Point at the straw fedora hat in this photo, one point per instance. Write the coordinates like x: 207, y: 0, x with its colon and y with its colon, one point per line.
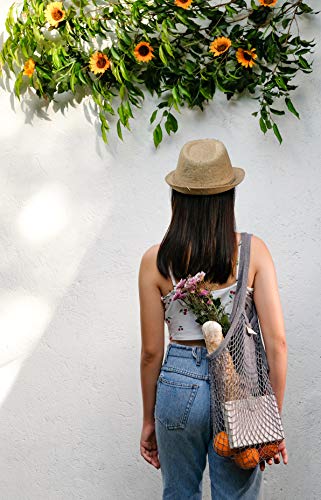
x: 204, y: 167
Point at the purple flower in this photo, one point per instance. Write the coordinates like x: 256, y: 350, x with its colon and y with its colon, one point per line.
x: 204, y: 292
x: 181, y: 283
x: 199, y: 276
x: 190, y: 283
x: 179, y: 295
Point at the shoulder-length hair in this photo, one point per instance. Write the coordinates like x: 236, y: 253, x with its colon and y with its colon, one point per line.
x: 200, y: 237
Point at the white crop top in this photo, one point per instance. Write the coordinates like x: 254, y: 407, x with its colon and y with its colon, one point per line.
x: 181, y: 322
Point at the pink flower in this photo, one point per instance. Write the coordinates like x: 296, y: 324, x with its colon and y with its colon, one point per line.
x: 179, y: 295
x: 181, y: 283
x: 190, y: 284
x: 199, y: 276
x: 209, y: 301
x: 204, y: 292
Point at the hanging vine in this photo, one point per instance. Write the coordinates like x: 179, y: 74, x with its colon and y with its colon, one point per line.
x: 182, y: 51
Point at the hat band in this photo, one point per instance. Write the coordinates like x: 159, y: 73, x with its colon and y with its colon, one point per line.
x: 178, y: 183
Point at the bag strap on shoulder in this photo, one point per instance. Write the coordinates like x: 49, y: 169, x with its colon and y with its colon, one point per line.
x: 241, y: 287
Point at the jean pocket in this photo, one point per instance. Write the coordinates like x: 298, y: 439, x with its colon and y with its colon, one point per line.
x: 174, y: 400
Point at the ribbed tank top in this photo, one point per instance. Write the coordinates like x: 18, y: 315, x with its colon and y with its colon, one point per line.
x: 181, y: 322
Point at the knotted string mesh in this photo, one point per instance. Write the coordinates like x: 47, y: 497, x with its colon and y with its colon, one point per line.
x: 246, y: 422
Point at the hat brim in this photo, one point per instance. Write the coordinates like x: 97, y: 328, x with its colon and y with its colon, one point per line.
x: 239, y: 174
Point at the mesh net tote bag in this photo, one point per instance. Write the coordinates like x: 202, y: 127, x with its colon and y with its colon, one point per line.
x: 245, y: 417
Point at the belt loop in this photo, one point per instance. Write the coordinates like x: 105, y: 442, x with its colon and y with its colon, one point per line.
x: 166, y: 354
x: 197, y: 354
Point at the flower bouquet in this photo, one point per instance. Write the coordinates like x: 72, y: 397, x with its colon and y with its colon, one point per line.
x: 195, y: 292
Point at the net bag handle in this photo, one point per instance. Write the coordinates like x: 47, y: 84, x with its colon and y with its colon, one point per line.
x: 241, y: 287
x: 240, y: 292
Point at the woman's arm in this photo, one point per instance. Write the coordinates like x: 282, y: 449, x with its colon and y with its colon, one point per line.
x: 269, y: 309
x: 152, y: 348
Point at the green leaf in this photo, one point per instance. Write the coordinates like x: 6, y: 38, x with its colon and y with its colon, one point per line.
x: 173, y: 122
x: 17, y: 84
x: 205, y: 94
x: 175, y: 94
x: 128, y: 109
x: 281, y: 83
x: 122, y: 91
x: 263, y: 125
x: 114, y: 53
x: 72, y: 82
x: 41, y: 72
x: 168, y: 127
x: 82, y: 77
x: 277, y: 132
x: 103, y: 133
x: 124, y: 71
x: 119, y: 132
x: 157, y: 135
x: 303, y: 63
x: 153, y: 116
x: 122, y: 114
x: 291, y: 107
x: 104, y: 126
x: 305, y: 8
x: 168, y: 49
x: 277, y: 111
x: 162, y: 55
x: 115, y: 72
x: 184, y: 91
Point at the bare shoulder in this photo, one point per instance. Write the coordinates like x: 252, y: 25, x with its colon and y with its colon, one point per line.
x: 259, y: 245
x: 149, y: 256
x: 148, y: 269
x: 260, y: 253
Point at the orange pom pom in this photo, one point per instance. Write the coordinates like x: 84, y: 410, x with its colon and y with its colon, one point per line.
x: 268, y: 451
x: 221, y: 444
x: 247, y: 459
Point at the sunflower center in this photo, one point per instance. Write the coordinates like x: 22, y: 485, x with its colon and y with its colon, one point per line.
x: 221, y: 47
x: 57, y: 14
x: 268, y: 2
x: 247, y: 56
x: 183, y: 1
x: 143, y: 50
x: 101, y: 61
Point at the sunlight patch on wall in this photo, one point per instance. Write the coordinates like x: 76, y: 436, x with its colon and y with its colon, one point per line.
x: 45, y: 214
x: 23, y: 320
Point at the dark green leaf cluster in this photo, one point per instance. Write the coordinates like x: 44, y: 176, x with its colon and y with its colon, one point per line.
x: 183, y: 69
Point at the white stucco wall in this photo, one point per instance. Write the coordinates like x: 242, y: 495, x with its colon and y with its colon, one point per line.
x: 76, y: 216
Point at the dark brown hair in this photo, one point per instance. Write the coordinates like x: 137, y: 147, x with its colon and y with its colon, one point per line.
x: 200, y: 237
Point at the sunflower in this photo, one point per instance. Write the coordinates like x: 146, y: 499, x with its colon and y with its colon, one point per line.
x: 246, y: 57
x: 29, y: 67
x: 220, y: 45
x: 99, y: 62
x: 54, y: 13
x: 183, y: 3
x: 143, y: 52
x: 268, y: 3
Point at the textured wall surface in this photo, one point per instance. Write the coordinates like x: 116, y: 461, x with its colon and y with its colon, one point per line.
x: 76, y: 217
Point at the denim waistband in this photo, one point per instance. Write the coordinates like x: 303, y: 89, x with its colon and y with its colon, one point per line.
x: 197, y: 369
x: 185, y: 351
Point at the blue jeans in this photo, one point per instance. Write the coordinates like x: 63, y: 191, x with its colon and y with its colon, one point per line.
x: 184, y: 433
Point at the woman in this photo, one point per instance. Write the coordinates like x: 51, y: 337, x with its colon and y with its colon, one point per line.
x: 176, y: 434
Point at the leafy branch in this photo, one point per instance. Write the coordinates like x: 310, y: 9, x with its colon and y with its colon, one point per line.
x: 181, y: 51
